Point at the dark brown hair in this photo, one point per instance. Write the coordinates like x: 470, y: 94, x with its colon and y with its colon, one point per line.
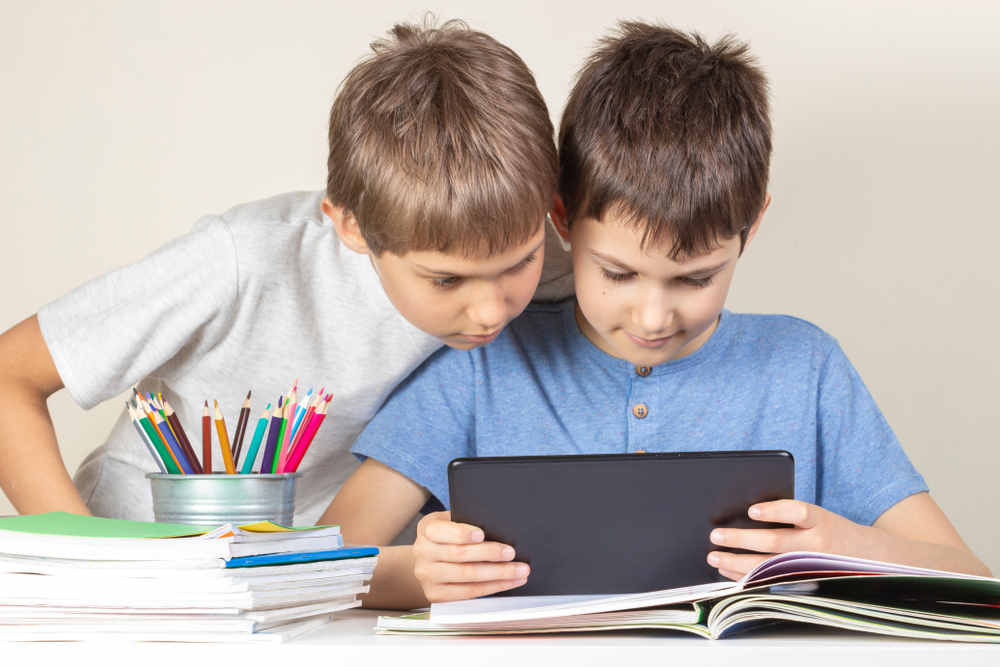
x: 440, y: 140
x: 672, y: 134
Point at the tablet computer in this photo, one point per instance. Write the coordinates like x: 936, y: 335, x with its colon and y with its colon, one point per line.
x: 615, y: 523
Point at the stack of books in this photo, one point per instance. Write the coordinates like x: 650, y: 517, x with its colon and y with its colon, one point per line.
x: 65, y: 577
x: 836, y: 591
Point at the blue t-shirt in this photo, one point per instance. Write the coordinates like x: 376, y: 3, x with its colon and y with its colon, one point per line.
x: 541, y: 388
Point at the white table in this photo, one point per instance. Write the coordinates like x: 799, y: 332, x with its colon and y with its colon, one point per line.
x: 350, y: 640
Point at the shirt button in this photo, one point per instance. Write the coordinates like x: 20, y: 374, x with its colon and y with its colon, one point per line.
x: 640, y: 411
x: 643, y: 370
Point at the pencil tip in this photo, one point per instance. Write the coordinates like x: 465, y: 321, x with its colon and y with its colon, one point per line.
x: 248, y: 394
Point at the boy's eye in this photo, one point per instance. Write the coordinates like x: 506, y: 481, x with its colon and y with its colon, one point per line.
x: 697, y: 282
x: 616, y: 277
x: 524, y: 263
x: 445, y: 283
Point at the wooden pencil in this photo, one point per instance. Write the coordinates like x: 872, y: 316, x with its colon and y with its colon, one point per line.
x: 227, y: 452
x: 286, y: 440
x: 258, y: 436
x: 151, y: 415
x: 206, y: 440
x: 272, y: 440
x: 168, y: 436
x: 175, y: 424
x: 281, y: 439
x: 307, y: 438
x: 241, y: 427
x: 145, y: 438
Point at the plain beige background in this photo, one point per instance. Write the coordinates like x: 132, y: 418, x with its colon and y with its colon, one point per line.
x: 123, y: 122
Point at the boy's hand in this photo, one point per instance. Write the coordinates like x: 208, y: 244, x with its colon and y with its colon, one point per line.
x: 454, y: 563
x: 815, y: 529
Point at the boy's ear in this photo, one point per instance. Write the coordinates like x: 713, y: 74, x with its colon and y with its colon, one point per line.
x: 346, y: 226
x: 558, y: 215
x: 756, y: 223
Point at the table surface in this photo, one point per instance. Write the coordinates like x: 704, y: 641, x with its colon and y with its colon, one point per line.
x: 350, y: 638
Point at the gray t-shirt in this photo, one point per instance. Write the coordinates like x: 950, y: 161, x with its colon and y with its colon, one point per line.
x: 249, y: 300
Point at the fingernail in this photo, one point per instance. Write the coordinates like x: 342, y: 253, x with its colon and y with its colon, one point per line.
x: 754, y: 512
x: 717, y: 537
x: 477, y: 536
x: 507, y: 553
x: 521, y: 570
x: 713, y: 560
x: 519, y: 582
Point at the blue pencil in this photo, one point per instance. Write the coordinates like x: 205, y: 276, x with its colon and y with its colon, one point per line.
x: 300, y: 412
x: 172, y: 443
x: 272, y: 440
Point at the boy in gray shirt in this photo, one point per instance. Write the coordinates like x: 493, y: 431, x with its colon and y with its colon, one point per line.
x: 440, y: 134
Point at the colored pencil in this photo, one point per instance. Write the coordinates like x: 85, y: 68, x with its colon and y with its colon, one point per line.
x: 241, y: 428
x: 166, y: 455
x: 297, y: 438
x: 300, y: 414
x: 145, y: 438
x: 175, y: 423
x: 227, y: 452
x: 168, y: 437
x: 258, y: 435
x: 286, y: 441
x: 168, y: 458
x: 281, y: 439
x: 151, y: 415
x: 272, y: 440
x: 206, y: 440
x: 307, y: 438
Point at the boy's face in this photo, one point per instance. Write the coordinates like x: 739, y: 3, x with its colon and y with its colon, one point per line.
x: 640, y: 305
x: 463, y: 301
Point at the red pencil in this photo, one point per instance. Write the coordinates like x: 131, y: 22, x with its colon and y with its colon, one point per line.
x: 206, y: 440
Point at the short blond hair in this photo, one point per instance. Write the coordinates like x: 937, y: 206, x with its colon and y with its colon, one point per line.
x: 440, y: 140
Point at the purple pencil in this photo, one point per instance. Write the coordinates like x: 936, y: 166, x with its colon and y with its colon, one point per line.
x: 272, y: 440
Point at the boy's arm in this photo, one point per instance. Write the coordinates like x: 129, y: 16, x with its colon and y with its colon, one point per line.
x: 32, y: 472
x: 449, y: 561
x: 914, y: 532
x: 372, y: 508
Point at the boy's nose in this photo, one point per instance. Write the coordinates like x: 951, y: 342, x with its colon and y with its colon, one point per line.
x: 653, y: 314
x: 489, y: 307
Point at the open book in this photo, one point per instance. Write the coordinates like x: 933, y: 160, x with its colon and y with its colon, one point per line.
x: 837, y: 591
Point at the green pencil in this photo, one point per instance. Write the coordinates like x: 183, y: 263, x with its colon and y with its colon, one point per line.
x: 161, y: 448
x: 281, y: 434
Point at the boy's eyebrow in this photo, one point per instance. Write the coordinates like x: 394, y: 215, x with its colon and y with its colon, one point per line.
x: 626, y: 267
x: 524, y: 259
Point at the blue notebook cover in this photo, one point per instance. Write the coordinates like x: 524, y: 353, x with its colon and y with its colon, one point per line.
x: 302, y: 557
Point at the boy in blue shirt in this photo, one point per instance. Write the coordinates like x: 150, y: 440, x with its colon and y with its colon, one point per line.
x: 664, y: 154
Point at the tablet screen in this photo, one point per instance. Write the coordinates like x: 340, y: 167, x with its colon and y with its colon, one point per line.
x: 615, y: 523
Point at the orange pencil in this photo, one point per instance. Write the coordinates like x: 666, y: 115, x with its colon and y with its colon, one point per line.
x: 227, y: 453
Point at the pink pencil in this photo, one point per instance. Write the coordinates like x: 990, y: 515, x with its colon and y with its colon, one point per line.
x: 295, y: 459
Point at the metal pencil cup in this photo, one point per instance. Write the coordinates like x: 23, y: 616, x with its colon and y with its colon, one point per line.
x: 212, y: 500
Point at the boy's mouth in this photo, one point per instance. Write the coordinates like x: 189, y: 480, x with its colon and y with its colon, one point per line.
x: 650, y: 342
x: 481, y: 340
